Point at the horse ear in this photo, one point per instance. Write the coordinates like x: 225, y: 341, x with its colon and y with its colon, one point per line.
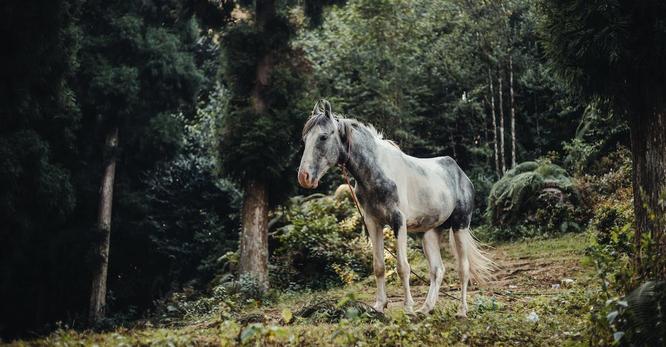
x: 317, y: 108
x: 328, y: 112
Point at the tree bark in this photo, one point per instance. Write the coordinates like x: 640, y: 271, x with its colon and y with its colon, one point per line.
x: 648, y: 147
x: 98, y: 293
x: 513, y: 114
x: 494, y: 119
x: 501, y: 125
x: 254, y: 237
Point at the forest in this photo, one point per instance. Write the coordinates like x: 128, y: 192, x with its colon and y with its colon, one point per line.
x: 149, y: 153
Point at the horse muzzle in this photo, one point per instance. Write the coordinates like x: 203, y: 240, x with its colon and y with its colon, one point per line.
x: 306, y: 180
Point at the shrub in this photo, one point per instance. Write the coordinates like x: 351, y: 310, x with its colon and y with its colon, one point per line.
x: 534, y: 198
x: 321, y: 245
x: 612, y: 247
x: 638, y: 319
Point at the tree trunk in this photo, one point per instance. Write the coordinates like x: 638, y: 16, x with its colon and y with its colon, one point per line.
x: 98, y: 294
x: 536, y: 115
x: 501, y: 125
x: 513, y: 115
x: 264, y: 12
x: 254, y: 237
x: 494, y: 118
x: 254, y: 234
x: 648, y: 148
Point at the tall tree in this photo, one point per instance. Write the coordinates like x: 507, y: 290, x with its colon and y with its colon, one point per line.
x: 494, y: 121
x: 137, y: 68
x: 513, y: 114
x: 616, y: 50
x: 267, y: 79
x: 500, y: 77
x: 98, y: 292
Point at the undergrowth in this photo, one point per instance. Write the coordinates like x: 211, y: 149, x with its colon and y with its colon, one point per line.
x: 527, y: 310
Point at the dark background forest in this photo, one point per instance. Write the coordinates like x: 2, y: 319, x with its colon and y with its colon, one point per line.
x: 138, y: 137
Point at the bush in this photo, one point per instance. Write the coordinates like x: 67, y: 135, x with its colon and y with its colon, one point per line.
x: 638, y: 319
x: 608, y: 189
x: 612, y: 225
x: 534, y: 198
x: 321, y: 245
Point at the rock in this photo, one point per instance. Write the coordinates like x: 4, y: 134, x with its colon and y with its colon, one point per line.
x: 533, y: 317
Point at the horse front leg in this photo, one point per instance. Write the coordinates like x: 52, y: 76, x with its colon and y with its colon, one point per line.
x: 377, y: 239
x: 404, y: 269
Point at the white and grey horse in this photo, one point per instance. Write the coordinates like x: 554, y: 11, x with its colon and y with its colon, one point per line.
x: 408, y: 194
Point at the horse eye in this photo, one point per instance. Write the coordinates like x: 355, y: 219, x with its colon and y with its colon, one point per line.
x: 323, y: 138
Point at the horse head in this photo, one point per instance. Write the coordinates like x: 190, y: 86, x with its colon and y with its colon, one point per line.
x: 323, y: 139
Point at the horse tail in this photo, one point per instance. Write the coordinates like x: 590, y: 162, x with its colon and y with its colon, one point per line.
x: 463, y: 243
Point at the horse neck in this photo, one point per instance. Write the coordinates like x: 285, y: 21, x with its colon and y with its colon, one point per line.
x: 362, y: 157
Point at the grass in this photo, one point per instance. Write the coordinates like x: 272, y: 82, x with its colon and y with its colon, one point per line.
x: 529, y: 284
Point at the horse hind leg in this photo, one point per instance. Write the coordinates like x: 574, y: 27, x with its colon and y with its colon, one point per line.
x: 460, y: 251
x: 431, y: 241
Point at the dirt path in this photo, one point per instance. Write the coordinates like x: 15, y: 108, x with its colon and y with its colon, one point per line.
x: 545, y: 268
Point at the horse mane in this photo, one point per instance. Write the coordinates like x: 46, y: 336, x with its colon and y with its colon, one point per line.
x: 371, y: 130
x: 321, y: 119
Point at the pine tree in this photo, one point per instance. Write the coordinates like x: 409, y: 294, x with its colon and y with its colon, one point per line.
x: 137, y: 68
x: 260, y: 133
x: 616, y: 51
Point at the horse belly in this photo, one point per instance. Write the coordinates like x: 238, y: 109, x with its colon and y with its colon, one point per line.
x: 428, y: 210
x: 424, y: 223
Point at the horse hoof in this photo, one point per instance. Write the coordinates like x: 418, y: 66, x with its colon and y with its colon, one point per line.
x: 424, y: 310
x: 461, y: 315
x: 379, y: 307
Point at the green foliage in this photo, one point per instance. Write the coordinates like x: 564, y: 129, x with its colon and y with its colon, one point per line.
x: 73, y: 71
x: 639, y: 317
x: 611, y: 249
x: 320, y: 245
x: 599, y: 134
x: 538, y: 195
x: 332, y: 311
x: 249, y: 287
x: 370, y: 61
x: 587, y: 39
x: 39, y: 117
x: 261, y: 144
